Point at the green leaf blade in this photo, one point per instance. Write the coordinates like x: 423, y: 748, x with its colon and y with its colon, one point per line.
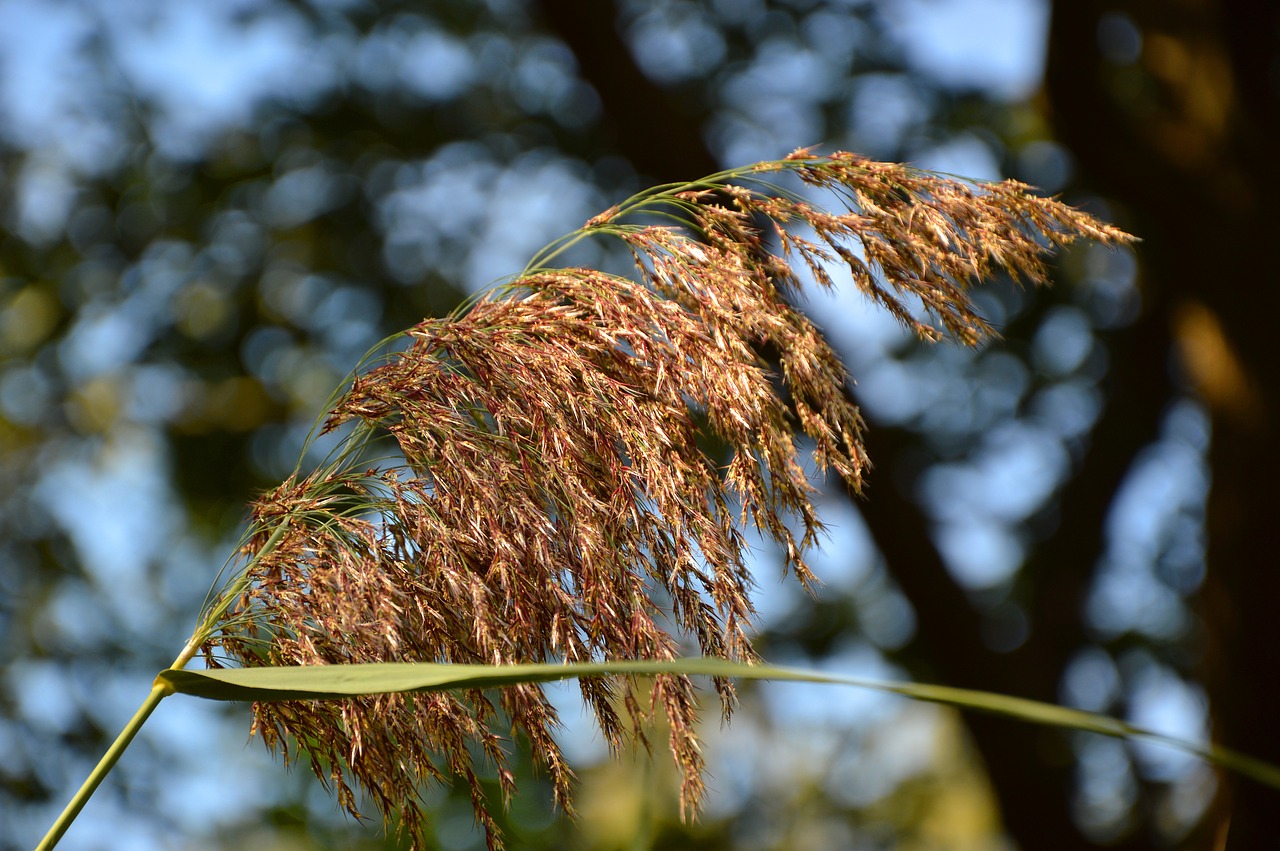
x: 340, y: 682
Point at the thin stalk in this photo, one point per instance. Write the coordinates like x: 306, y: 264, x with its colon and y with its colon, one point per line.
x: 229, y: 596
x: 158, y: 692
x: 664, y: 194
x: 555, y: 249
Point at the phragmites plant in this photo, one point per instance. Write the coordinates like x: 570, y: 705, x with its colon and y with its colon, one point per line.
x: 552, y: 501
x: 523, y: 482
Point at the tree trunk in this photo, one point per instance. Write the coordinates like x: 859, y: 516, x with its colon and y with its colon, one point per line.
x: 1191, y: 154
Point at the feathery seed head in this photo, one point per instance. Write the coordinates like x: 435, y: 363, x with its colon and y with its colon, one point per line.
x: 550, y: 499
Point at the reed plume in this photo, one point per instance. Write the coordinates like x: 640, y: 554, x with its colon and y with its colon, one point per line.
x: 545, y: 494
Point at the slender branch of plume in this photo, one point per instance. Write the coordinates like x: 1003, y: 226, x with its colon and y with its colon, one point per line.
x: 543, y: 494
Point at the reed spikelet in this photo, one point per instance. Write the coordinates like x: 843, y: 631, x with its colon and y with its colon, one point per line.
x: 548, y: 499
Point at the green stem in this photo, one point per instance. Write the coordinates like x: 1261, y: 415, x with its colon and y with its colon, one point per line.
x: 228, y: 597
x: 651, y: 197
x: 158, y: 692
x: 544, y: 257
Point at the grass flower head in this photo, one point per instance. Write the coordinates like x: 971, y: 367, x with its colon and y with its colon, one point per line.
x: 552, y: 495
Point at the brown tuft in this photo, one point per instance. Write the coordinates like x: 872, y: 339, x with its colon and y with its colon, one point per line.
x: 551, y: 501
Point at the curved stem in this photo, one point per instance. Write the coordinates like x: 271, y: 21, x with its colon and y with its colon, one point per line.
x: 653, y: 196
x: 158, y: 692
x: 555, y: 249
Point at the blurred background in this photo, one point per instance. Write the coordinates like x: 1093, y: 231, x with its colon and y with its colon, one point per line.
x: 209, y: 211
